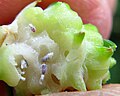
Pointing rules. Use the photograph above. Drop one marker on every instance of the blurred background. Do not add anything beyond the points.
(115, 37)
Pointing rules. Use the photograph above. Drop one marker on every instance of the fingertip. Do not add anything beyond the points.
(112, 5)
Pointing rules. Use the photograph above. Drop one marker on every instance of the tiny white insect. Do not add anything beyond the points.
(33, 29)
(22, 78)
(22, 73)
(43, 72)
(23, 64)
(41, 79)
(43, 68)
(47, 57)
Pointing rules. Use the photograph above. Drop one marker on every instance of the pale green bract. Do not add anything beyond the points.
(45, 51)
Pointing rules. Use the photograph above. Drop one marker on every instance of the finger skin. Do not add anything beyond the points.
(10, 8)
(45, 3)
(112, 5)
(3, 89)
(108, 90)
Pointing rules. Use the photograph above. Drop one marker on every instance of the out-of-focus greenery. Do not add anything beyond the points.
(115, 37)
